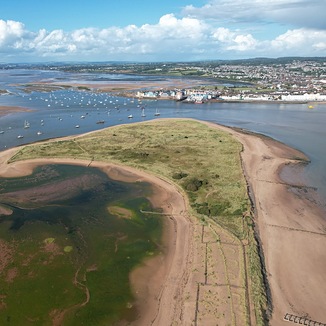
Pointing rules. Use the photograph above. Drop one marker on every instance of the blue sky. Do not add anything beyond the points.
(179, 30)
(74, 14)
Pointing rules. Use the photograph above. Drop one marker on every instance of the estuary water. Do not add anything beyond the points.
(82, 226)
(68, 112)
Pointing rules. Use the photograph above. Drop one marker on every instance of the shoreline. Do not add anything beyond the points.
(291, 229)
(155, 282)
(289, 225)
(129, 89)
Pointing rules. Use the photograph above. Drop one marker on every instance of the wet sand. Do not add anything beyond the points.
(289, 223)
(12, 109)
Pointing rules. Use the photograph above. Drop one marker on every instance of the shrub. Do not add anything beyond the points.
(179, 175)
(193, 184)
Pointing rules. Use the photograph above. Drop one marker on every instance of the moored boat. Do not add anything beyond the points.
(26, 124)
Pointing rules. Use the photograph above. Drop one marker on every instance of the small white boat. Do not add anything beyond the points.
(157, 113)
(77, 126)
(143, 113)
(130, 116)
(1, 132)
(26, 124)
(39, 133)
(82, 117)
(20, 136)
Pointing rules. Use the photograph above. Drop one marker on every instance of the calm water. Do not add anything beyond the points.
(72, 231)
(58, 113)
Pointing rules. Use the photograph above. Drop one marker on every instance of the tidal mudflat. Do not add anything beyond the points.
(69, 244)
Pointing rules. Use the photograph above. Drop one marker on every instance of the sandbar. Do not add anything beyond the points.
(289, 223)
(4, 110)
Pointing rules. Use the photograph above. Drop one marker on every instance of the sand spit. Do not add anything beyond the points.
(199, 280)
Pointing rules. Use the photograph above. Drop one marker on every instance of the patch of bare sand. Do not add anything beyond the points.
(120, 211)
(5, 210)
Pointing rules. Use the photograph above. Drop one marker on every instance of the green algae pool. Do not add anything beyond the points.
(72, 240)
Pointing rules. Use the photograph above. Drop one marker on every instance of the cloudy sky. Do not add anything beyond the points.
(169, 30)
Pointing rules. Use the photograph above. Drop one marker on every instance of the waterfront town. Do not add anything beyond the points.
(262, 80)
(301, 81)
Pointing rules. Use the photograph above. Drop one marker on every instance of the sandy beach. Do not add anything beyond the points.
(186, 284)
(292, 230)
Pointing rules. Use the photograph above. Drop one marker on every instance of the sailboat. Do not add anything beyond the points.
(143, 112)
(157, 113)
(26, 124)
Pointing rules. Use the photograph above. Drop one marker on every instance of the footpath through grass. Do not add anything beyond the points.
(204, 161)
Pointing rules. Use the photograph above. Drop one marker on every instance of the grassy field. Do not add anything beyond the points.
(203, 161)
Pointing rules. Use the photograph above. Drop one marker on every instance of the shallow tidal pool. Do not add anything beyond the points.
(69, 245)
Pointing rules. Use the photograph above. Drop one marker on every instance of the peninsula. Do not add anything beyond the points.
(239, 242)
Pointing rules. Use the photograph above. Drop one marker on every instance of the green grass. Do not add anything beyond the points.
(202, 160)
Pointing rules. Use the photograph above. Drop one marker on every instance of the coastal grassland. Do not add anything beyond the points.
(202, 160)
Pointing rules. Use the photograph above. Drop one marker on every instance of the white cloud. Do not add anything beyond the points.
(231, 40)
(10, 31)
(299, 13)
(171, 38)
(301, 40)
